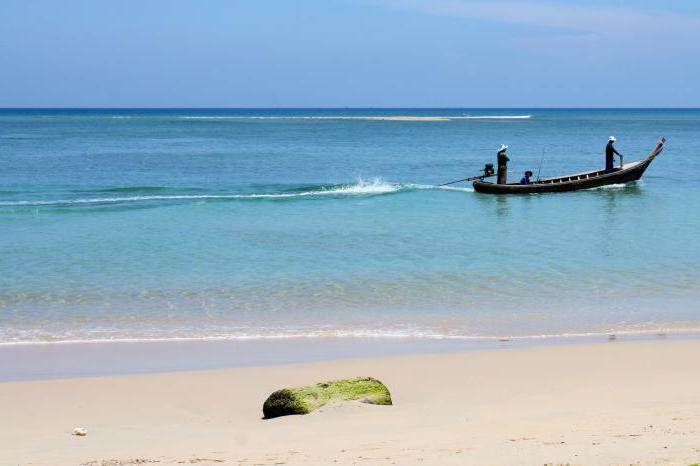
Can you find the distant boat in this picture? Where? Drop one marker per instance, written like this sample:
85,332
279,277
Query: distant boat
626,173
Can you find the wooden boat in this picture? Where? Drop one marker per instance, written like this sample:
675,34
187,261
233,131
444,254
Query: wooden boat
626,173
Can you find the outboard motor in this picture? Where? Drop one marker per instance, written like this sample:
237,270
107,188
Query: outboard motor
488,171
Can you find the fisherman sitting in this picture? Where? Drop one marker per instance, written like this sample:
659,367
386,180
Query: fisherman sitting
502,164
526,179
610,152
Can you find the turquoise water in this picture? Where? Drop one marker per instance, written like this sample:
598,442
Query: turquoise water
139,224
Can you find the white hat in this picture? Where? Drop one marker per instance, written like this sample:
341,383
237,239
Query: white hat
612,139
502,148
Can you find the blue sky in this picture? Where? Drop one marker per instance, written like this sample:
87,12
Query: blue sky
349,53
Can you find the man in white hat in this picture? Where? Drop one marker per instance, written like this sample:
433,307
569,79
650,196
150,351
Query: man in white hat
503,160
610,154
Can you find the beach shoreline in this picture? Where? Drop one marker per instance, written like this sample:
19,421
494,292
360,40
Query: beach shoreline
24,361
624,402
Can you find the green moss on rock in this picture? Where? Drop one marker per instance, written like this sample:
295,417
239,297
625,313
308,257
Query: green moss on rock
303,400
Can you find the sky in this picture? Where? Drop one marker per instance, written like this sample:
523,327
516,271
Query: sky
349,53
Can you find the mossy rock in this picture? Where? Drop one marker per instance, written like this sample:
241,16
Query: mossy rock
303,400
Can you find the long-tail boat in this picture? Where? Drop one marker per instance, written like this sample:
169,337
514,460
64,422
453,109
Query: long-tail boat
625,173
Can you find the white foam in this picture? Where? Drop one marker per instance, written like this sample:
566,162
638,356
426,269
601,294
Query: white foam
610,186
456,188
374,187
419,334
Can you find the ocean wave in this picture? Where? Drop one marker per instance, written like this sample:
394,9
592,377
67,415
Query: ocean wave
418,334
362,188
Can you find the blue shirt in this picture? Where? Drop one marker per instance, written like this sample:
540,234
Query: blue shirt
525,180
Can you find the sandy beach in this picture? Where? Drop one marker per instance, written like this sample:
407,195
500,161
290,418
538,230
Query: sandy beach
589,404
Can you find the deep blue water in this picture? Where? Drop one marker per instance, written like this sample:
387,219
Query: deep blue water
244,223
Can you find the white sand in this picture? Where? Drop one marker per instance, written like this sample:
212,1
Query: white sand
385,118
609,403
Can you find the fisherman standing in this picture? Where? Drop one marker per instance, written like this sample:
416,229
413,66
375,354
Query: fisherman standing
610,152
503,160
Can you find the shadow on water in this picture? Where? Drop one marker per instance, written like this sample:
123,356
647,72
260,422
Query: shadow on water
613,196
502,206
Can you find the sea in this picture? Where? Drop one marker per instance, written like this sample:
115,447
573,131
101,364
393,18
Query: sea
240,224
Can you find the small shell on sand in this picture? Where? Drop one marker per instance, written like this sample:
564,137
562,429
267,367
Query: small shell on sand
80,431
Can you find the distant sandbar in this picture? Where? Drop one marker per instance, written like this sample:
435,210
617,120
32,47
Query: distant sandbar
365,118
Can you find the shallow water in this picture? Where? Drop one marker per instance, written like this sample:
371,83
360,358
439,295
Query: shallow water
274,223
